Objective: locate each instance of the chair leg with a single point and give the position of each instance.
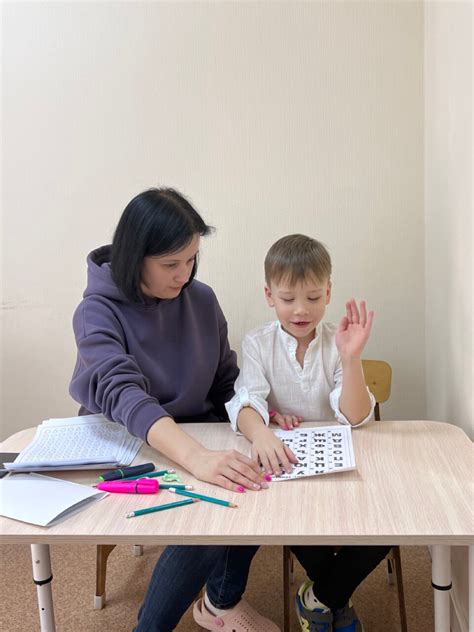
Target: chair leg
(401, 593)
(286, 587)
(390, 570)
(103, 552)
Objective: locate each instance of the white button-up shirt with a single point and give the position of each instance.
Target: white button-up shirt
(272, 378)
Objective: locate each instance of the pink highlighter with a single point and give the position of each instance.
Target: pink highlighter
(140, 486)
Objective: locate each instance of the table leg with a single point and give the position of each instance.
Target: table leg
(471, 587)
(441, 582)
(43, 577)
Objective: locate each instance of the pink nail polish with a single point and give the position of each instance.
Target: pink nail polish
(286, 427)
(268, 477)
(241, 489)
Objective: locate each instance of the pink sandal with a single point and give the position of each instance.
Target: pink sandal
(240, 618)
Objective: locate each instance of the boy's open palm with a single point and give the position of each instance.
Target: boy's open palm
(354, 330)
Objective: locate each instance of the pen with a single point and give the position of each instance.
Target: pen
(208, 499)
(145, 475)
(125, 472)
(141, 512)
(146, 480)
(175, 486)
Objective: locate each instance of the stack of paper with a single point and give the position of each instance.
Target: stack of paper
(43, 500)
(87, 442)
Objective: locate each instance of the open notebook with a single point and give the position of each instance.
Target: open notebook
(87, 442)
(43, 500)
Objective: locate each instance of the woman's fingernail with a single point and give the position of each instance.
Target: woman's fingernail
(255, 486)
(286, 427)
(268, 477)
(264, 485)
(241, 489)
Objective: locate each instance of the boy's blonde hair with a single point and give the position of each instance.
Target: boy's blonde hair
(297, 258)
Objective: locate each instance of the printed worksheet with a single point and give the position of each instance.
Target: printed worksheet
(85, 442)
(322, 450)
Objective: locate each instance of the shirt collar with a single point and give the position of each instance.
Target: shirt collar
(291, 342)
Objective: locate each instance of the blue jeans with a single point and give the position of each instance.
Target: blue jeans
(181, 573)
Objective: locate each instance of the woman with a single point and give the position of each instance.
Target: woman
(152, 351)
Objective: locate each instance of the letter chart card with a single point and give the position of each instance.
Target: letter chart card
(322, 450)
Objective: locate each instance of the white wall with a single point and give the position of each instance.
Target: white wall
(272, 117)
(448, 230)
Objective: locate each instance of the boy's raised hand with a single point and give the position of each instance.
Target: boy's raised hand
(354, 330)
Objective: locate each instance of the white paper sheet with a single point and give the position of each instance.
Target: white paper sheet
(323, 450)
(43, 500)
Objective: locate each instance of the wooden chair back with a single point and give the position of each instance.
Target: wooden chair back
(378, 377)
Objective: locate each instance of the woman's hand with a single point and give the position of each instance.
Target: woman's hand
(229, 469)
(286, 422)
(271, 452)
(354, 330)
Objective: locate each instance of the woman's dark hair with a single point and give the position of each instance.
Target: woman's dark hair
(155, 222)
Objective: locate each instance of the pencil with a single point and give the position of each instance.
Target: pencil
(150, 475)
(147, 510)
(208, 499)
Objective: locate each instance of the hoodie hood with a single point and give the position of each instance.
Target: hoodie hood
(99, 275)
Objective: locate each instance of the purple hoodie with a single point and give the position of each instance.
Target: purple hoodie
(139, 362)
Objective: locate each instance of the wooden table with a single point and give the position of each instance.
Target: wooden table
(413, 485)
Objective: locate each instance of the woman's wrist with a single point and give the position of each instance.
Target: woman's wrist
(167, 437)
(195, 457)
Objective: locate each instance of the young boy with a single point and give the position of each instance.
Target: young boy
(303, 368)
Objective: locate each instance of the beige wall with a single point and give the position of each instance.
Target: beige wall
(273, 118)
(448, 229)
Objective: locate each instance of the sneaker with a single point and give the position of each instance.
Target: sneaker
(240, 618)
(346, 619)
(311, 620)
